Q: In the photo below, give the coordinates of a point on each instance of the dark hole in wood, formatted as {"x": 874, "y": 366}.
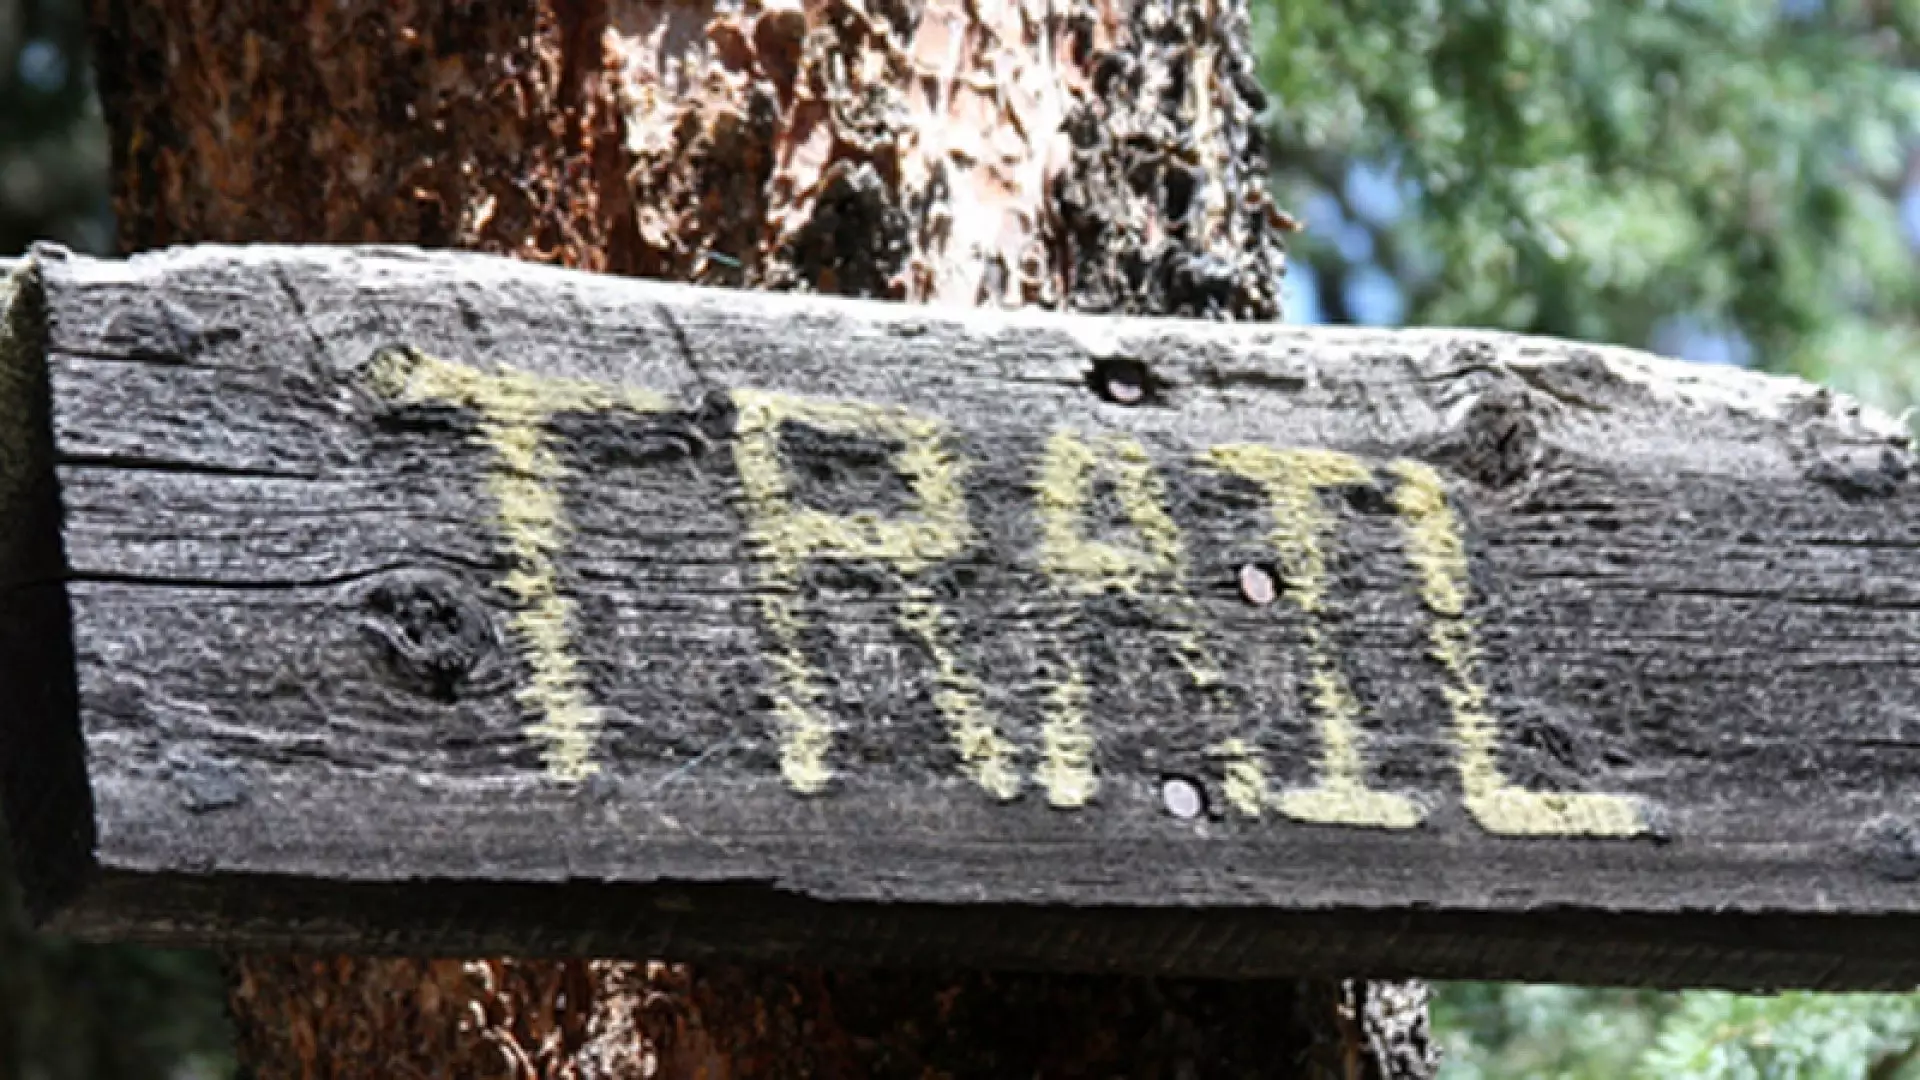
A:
{"x": 1122, "y": 381}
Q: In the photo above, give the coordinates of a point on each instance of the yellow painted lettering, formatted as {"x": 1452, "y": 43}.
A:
{"x": 1293, "y": 480}
{"x": 514, "y": 409}
{"x": 1245, "y": 780}
{"x": 1153, "y": 569}
{"x": 1434, "y": 544}
{"x": 787, "y": 536}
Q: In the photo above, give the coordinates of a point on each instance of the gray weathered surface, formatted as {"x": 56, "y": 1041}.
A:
{"x": 380, "y": 647}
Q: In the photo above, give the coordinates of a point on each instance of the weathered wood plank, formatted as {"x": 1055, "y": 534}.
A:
{"x": 410, "y": 601}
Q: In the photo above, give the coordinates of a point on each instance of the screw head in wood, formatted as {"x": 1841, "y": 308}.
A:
{"x": 1258, "y": 586}
{"x": 1182, "y": 798}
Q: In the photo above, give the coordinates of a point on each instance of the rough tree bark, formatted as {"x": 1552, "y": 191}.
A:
{"x": 1100, "y": 155}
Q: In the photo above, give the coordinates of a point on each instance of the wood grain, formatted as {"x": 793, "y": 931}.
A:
{"x": 392, "y": 601}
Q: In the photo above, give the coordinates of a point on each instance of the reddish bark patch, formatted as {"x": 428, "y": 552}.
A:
{"x": 444, "y": 123}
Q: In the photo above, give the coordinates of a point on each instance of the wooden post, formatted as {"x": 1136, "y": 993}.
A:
{"x": 401, "y": 601}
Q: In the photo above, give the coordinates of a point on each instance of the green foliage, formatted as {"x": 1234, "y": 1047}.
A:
{"x": 1799, "y": 1036}
{"x": 1495, "y": 1032}
{"x": 105, "y": 1012}
{"x": 1618, "y": 171}
{"x": 1650, "y": 173}
{"x": 53, "y": 145}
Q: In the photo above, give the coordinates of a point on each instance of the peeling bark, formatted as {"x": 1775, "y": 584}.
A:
{"x": 1088, "y": 153}
{"x": 1101, "y": 155}
{"x": 447, "y": 125}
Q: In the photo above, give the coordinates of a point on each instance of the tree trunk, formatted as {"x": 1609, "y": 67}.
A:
{"x": 1100, "y": 155}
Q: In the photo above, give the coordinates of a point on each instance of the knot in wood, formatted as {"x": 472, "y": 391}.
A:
{"x": 1499, "y": 439}
{"x": 429, "y": 629}
{"x": 1890, "y": 846}
{"x": 1862, "y": 473}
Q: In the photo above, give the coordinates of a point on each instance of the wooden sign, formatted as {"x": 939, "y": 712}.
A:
{"x": 379, "y": 600}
